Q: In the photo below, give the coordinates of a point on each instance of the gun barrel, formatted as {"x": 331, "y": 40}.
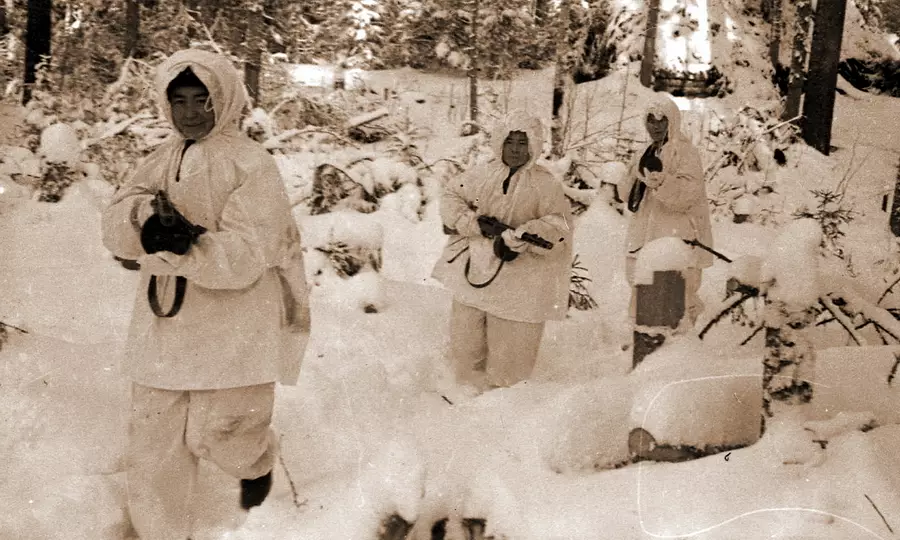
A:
{"x": 537, "y": 240}
{"x": 528, "y": 237}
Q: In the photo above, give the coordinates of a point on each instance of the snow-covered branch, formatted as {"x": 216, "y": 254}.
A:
{"x": 116, "y": 129}
{"x": 842, "y": 318}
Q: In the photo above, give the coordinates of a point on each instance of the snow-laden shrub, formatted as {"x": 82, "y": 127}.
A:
{"x": 743, "y": 151}
{"x": 832, "y": 213}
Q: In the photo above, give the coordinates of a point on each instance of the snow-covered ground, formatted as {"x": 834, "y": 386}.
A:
{"x": 376, "y": 426}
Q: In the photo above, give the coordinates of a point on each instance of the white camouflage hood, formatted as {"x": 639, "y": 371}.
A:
{"x": 226, "y": 89}
{"x": 663, "y": 105}
{"x": 519, "y": 120}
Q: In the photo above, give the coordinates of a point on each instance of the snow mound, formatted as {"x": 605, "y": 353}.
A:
{"x": 660, "y": 255}
{"x": 792, "y": 265}
{"x": 60, "y": 144}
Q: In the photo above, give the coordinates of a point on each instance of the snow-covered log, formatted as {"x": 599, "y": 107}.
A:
{"x": 676, "y": 420}
{"x": 365, "y": 118}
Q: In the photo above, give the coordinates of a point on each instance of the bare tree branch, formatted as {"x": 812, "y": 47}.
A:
{"x": 724, "y": 312}
{"x": 842, "y": 318}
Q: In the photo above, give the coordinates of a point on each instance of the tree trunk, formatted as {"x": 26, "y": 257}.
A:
{"x": 824, "y": 56}
{"x": 562, "y": 74}
{"x": 4, "y": 26}
{"x": 541, "y": 11}
{"x": 132, "y": 27}
{"x": 254, "y": 43}
{"x": 789, "y": 361}
{"x": 799, "y": 54}
{"x": 776, "y": 22}
{"x": 648, "y": 61}
{"x": 473, "y": 66}
{"x": 38, "y": 31}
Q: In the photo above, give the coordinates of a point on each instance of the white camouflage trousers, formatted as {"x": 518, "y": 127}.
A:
{"x": 171, "y": 430}
{"x": 487, "y": 351}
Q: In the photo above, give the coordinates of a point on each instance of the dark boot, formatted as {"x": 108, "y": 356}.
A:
{"x": 254, "y": 492}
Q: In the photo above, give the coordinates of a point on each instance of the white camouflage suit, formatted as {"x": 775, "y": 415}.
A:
{"x": 677, "y": 207}
{"x": 496, "y": 330}
{"x": 204, "y": 379}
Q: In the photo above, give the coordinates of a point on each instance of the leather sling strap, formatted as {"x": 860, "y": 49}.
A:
{"x": 153, "y": 297}
{"x": 180, "y": 281}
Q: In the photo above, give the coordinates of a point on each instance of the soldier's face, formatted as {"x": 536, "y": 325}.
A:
{"x": 192, "y": 111}
{"x": 657, "y": 128}
{"x": 515, "y": 149}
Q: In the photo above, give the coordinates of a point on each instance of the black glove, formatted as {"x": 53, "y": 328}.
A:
{"x": 502, "y": 251}
{"x": 490, "y": 226}
{"x": 651, "y": 163}
{"x": 167, "y": 229}
{"x": 636, "y": 196}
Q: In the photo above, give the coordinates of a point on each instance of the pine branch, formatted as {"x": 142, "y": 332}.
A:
{"x": 726, "y": 311}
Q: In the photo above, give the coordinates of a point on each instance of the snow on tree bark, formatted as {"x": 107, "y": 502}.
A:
{"x": 473, "y": 68}
{"x": 789, "y": 361}
{"x": 799, "y": 55}
{"x": 776, "y": 22}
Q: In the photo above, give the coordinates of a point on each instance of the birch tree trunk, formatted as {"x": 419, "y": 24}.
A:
{"x": 473, "y": 71}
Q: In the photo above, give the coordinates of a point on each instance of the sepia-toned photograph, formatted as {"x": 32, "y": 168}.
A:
{"x": 449, "y": 269}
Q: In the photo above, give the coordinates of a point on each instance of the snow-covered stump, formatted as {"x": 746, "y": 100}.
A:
{"x": 60, "y": 150}
{"x": 660, "y": 302}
